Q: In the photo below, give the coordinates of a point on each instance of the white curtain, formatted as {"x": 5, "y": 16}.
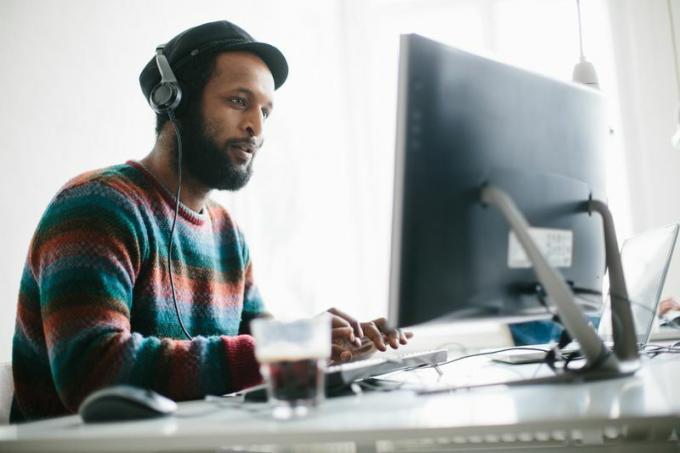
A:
{"x": 319, "y": 212}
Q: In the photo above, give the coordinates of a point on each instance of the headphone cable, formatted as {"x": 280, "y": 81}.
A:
{"x": 171, "y": 116}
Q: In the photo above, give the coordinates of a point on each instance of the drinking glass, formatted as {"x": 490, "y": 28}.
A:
{"x": 293, "y": 356}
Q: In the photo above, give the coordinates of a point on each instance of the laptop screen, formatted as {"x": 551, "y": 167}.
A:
{"x": 645, "y": 259}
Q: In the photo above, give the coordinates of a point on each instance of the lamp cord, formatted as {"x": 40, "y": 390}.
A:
{"x": 580, "y": 32}
{"x": 675, "y": 47}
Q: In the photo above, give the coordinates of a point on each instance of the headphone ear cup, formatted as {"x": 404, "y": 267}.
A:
{"x": 165, "y": 97}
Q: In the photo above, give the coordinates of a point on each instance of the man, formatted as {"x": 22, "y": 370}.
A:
{"x": 123, "y": 284}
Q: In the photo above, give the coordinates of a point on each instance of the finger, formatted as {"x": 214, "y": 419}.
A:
{"x": 372, "y": 332}
{"x": 393, "y": 338}
{"x": 366, "y": 345}
{"x": 404, "y": 336}
{"x": 336, "y": 352}
{"x": 343, "y": 333}
{"x": 353, "y": 322}
{"x": 381, "y": 323}
{"x": 340, "y": 354}
{"x": 337, "y": 321}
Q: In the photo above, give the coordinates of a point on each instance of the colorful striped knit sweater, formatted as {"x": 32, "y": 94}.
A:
{"x": 95, "y": 307}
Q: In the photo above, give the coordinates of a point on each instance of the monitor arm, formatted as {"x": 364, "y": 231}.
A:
{"x": 600, "y": 362}
{"x": 623, "y": 327}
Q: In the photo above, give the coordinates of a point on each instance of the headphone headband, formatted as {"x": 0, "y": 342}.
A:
{"x": 163, "y": 66}
{"x": 166, "y": 96}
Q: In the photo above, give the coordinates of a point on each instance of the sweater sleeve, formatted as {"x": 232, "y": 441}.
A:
{"x": 253, "y": 305}
{"x": 86, "y": 255}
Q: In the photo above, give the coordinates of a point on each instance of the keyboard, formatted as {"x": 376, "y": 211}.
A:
{"x": 346, "y": 373}
{"x": 340, "y": 377}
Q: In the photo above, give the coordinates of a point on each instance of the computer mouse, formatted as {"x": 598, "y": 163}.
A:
{"x": 256, "y": 394}
{"x": 124, "y": 402}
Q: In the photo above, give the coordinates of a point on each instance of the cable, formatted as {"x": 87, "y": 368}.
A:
{"x": 496, "y": 351}
{"x": 654, "y": 350}
{"x": 580, "y": 33}
{"x": 675, "y": 47}
{"x": 171, "y": 116}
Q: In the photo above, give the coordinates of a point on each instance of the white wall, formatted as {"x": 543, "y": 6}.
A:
{"x": 649, "y": 100}
{"x": 317, "y": 210}
{"x": 72, "y": 103}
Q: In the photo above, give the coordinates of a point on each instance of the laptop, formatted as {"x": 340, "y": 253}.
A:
{"x": 646, "y": 259}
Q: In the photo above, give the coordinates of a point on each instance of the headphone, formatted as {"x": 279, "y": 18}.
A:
{"x": 165, "y": 96}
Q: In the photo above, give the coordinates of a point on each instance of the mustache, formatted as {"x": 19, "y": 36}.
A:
{"x": 247, "y": 142}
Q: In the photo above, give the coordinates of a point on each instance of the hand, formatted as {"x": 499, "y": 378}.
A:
{"x": 668, "y": 304}
{"x": 345, "y": 351}
{"x": 352, "y": 339}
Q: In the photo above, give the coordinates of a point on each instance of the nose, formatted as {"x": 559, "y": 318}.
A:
{"x": 253, "y": 123}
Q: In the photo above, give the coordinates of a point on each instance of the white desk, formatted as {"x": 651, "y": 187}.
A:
{"x": 633, "y": 414}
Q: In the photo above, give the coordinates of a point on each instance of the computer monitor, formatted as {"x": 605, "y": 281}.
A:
{"x": 499, "y": 199}
{"x": 464, "y": 121}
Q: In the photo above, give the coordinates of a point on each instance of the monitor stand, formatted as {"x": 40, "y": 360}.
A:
{"x": 601, "y": 363}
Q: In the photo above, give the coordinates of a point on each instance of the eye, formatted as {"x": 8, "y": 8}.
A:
{"x": 239, "y": 101}
{"x": 265, "y": 113}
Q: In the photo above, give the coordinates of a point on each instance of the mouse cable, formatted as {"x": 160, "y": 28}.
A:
{"x": 171, "y": 116}
{"x": 476, "y": 354}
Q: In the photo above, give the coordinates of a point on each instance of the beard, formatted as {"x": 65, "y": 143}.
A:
{"x": 209, "y": 162}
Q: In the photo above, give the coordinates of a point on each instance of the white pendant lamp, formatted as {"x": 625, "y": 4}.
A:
{"x": 584, "y": 71}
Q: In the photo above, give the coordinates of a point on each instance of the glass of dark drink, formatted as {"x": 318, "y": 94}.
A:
{"x": 292, "y": 358}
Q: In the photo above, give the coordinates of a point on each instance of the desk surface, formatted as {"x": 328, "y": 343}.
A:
{"x": 644, "y": 407}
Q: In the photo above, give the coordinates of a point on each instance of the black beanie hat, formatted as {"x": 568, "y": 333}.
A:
{"x": 212, "y": 37}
